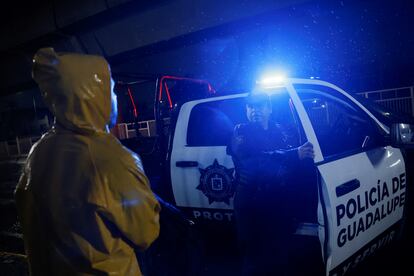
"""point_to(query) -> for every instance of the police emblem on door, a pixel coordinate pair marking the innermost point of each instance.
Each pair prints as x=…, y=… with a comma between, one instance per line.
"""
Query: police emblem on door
x=216, y=183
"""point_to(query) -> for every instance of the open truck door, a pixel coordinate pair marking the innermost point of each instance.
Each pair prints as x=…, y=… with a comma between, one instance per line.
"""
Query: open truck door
x=202, y=173
x=361, y=178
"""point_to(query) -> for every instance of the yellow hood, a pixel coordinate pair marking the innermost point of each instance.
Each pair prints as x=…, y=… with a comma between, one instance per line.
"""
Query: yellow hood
x=75, y=87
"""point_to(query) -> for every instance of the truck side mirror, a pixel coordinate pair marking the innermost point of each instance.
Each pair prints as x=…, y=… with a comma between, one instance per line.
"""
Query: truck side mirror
x=402, y=135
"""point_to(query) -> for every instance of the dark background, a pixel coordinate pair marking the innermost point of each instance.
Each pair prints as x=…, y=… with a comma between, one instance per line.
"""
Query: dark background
x=360, y=45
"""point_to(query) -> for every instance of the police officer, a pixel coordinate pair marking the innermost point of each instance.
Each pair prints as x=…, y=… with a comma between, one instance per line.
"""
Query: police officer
x=263, y=163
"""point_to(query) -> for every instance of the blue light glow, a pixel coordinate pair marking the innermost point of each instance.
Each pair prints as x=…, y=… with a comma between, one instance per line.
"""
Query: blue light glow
x=270, y=80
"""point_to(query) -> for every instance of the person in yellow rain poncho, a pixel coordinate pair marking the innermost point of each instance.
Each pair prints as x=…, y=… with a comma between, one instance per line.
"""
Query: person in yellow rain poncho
x=83, y=199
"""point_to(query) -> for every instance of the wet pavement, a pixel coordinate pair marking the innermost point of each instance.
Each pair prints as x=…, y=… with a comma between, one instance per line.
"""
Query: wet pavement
x=12, y=259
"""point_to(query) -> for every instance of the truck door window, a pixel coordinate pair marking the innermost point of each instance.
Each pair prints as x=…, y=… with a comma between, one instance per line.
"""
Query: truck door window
x=212, y=123
x=340, y=125
x=284, y=114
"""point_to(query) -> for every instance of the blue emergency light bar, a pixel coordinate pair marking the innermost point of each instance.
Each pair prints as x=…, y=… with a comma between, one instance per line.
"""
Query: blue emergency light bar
x=271, y=80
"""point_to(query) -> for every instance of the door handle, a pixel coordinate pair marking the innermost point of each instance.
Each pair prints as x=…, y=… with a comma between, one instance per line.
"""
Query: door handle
x=347, y=187
x=186, y=164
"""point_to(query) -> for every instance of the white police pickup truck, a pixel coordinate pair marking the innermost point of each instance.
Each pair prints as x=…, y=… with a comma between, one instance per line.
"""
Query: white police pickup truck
x=361, y=168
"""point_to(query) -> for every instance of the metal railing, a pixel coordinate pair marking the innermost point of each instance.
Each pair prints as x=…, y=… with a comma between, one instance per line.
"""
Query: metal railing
x=142, y=129
x=18, y=147
x=131, y=130
x=397, y=99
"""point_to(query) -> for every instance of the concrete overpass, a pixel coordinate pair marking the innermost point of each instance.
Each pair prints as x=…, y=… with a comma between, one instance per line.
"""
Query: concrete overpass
x=227, y=42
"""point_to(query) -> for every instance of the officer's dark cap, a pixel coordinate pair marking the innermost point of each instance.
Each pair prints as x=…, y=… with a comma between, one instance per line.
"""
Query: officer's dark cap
x=257, y=98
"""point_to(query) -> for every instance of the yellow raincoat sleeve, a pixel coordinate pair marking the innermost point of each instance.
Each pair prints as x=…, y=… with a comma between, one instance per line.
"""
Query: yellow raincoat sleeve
x=131, y=205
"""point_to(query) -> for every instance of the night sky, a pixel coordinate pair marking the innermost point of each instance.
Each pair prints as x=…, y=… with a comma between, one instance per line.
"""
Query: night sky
x=364, y=45
x=358, y=45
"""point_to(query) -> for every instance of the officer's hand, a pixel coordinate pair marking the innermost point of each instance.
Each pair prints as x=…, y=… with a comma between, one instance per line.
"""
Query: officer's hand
x=306, y=151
